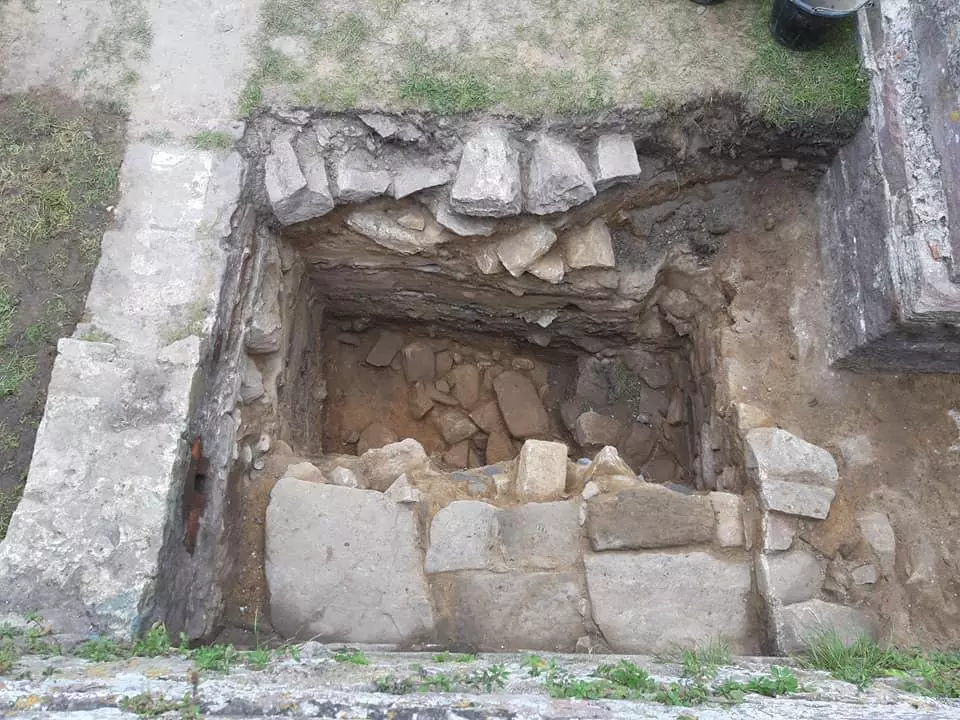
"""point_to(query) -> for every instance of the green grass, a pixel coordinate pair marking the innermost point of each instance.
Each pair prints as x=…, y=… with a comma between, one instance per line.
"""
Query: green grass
x=9, y=499
x=150, y=705
x=704, y=662
x=789, y=87
x=154, y=643
x=354, y=657
x=100, y=649
x=218, y=658
x=931, y=673
x=446, y=657
x=212, y=140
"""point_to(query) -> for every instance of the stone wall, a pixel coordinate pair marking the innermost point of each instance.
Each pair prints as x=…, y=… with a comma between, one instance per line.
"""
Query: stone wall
x=890, y=229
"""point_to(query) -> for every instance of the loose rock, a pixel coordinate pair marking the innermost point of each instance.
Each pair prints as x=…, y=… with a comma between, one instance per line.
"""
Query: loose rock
x=590, y=246
x=876, y=530
x=595, y=429
x=459, y=455
x=308, y=472
x=488, y=262
x=403, y=492
x=388, y=233
x=380, y=467
x=520, y=405
x=521, y=250
x=792, y=476
x=549, y=268
x=386, y=347
x=607, y=463
x=375, y=435
x=557, y=179
x=499, y=448
x=463, y=225
x=616, y=160
x=414, y=178
x=488, y=179
x=466, y=385
x=418, y=361
x=454, y=425
x=542, y=471
x=420, y=401
x=251, y=386
x=487, y=417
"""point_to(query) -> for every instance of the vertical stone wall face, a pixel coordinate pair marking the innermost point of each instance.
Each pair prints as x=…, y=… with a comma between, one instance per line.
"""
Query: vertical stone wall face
x=890, y=222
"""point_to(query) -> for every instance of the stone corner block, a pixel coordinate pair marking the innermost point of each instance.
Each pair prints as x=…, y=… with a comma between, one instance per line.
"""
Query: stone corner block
x=649, y=516
x=344, y=565
x=488, y=178
x=789, y=578
x=728, y=512
x=615, y=161
x=541, y=471
x=557, y=178
x=464, y=535
x=792, y=476
x=296, y=194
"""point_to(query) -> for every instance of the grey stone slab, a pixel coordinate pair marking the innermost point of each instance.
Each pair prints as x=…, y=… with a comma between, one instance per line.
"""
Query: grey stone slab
x=792, y=476
x=728, y=511
x=360, y=177
x=541, y=536
x=295, y=193
x=85, y=544
x=520, y=405
x=410, y=179
x=615, y=160
x=796, y=626
x=137, y=295
x=494, y=611
x=649, y=516
x=488, y=178
x=266, y=323
x=778, y=531
x=557, y=178
x=790, y=577
x=462, y=225
x=344, y=565
x=464, y=535
x=654, y=603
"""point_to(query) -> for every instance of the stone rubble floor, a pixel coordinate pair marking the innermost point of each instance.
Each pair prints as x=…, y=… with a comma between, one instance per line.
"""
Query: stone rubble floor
x=318, y=685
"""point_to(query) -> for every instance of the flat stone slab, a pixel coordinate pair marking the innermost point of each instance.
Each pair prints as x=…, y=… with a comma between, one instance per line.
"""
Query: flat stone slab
x=520, y=405
x=615, y=160
x=649, y=516
x=464, y=535
x=487, y=611
x=86, y=543
x=541, y=536
x=796, y=626
x=345, y=565
x=655, y=602
x=793, y=476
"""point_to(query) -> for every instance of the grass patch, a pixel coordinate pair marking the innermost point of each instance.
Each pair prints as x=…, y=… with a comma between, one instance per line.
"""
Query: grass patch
x=354, y=657
x=218, y=658
x=154, y=643
x=790, y=87
x=150, y=705
x=934, y=674
x=485, y=679
x=9, y=499
x=100, y=649
x=212, y=140
x=446, y=657
x=703, y=663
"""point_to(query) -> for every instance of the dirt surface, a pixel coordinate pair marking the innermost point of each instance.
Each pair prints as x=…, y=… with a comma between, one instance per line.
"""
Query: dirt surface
x=894, y=437
x=58, y=163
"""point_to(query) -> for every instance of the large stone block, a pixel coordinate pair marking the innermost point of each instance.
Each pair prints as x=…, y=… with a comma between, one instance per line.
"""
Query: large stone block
x=344, y=565
x=542, y=470
x=360, y=177
x=649, y=516
x=522, y=249
x=791, y=475
x=85, y=546
x=510, y=611
x=590, y=246
x=653, y=603
x=797, y=626
x=541, y=536
x=557, y=178
x=465, y=535
x=488, y=179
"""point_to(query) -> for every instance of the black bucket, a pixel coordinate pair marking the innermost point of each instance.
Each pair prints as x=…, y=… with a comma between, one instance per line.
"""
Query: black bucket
x=798, y=26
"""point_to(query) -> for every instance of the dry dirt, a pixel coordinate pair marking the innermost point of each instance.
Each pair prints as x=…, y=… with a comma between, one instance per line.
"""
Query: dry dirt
x=893, y=436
